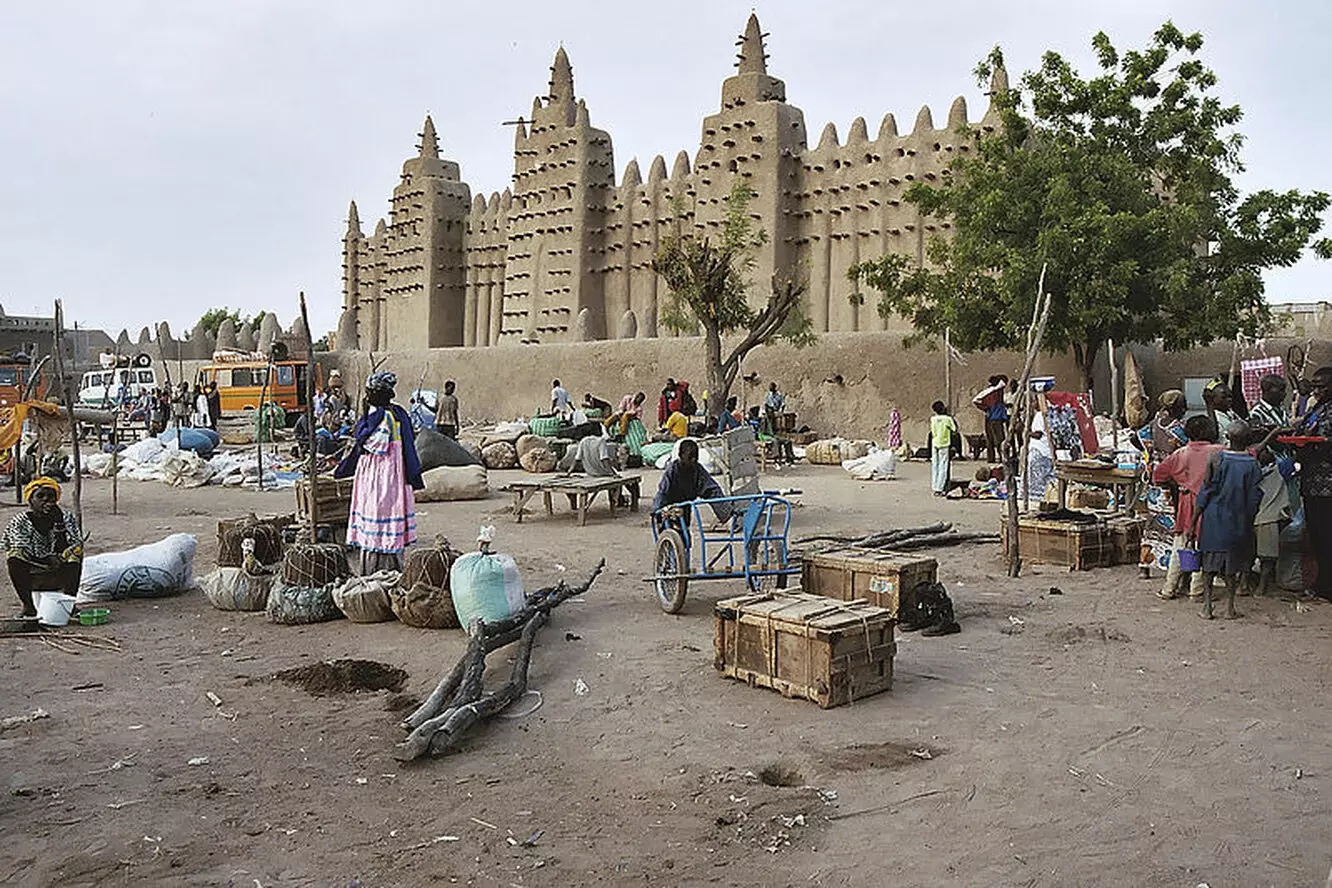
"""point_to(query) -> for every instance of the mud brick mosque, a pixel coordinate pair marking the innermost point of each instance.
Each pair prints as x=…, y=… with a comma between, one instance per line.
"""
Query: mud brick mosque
x=565, y=255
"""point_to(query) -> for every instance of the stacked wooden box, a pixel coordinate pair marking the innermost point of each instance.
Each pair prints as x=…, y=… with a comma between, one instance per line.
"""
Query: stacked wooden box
x=806, y=646
x=333, y=496
x=1077, y=545
x=883, y=579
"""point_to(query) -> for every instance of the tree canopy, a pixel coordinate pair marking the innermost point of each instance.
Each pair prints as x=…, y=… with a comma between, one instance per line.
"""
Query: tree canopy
x=213, y=318
x=1122, y=184
x=709, y=290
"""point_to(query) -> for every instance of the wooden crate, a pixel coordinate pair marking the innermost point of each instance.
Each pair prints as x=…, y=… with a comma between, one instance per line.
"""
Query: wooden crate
x=1072, y=544
x=334, y=499
x=806, y=646
x=884, y=579
x=1126, y=538
x=1089, y=498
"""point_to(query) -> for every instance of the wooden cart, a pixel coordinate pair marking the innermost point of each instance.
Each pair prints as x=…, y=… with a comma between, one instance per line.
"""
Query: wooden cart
x=581, y=491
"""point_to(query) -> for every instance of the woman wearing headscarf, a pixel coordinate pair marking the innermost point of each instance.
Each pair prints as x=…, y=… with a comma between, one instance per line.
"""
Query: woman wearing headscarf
x=43, y=546
x=1160, y=438
x=385, y=467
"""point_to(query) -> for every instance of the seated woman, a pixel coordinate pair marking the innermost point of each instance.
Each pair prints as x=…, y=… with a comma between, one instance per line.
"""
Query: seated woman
x=43, y=546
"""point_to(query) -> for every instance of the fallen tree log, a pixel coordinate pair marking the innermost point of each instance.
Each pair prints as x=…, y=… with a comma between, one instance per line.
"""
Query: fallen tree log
x=951, y=539
x=876, y=540
x=436, y=727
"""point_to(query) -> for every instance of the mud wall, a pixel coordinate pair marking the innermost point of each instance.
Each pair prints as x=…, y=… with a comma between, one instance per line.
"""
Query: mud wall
x=845, y=384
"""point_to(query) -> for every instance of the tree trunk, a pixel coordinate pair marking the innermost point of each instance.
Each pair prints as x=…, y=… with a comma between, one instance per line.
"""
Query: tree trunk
x=718, y=387
x=1084, y=356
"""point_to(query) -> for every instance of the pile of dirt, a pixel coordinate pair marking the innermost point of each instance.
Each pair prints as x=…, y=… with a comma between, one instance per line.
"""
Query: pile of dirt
x=344, y=677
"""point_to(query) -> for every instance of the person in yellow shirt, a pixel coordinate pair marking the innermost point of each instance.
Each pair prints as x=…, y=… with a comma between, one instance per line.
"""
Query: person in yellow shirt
x=943, y=428
x=678, y=425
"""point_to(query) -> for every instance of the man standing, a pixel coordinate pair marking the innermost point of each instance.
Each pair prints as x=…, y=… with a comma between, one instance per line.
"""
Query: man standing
x=990, y=401
x=1219, y=402
x=559, y=400
x=774, y=402
x=181, y=405
x=446, y=411
x=1316, y=479
x=943, y=428
x=214, y=405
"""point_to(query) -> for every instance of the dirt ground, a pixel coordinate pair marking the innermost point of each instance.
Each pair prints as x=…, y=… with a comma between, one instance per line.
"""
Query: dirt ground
x=1095, y=737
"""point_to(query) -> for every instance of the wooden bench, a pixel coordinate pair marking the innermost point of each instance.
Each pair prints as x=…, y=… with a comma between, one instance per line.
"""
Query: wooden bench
x=581, y=491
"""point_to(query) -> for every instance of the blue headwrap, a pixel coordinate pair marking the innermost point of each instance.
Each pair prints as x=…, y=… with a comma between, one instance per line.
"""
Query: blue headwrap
x=384, y=381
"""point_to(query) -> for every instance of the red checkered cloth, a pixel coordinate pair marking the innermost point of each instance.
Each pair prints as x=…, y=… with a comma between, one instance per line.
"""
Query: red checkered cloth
x=1252, y=372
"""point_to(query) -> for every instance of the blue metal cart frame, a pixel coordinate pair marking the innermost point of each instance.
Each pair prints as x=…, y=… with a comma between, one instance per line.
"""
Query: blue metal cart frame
x=759, y=522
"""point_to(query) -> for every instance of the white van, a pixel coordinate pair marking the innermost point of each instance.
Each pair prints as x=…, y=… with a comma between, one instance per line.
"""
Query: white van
x=100, y=388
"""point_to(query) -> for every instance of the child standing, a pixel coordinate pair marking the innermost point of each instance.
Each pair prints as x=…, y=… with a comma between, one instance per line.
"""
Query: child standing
x=943, y=428
x=1227, y=507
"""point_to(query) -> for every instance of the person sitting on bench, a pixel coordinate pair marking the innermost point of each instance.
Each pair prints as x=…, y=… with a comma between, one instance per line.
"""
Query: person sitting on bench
x=43, y=546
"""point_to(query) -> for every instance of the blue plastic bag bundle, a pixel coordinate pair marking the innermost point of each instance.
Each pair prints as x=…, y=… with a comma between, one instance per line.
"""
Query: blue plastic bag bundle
x=485, y=585
x=200, y=441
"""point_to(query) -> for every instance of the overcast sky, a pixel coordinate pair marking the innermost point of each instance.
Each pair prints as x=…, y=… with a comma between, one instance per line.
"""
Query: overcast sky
x=160, y=158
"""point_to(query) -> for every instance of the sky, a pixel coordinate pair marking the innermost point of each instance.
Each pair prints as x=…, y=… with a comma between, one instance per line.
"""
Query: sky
x=162, y=157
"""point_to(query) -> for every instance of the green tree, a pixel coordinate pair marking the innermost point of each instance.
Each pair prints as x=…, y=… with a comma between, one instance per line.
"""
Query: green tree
x=213, y=318
x=709, y=285
x=1122, y=184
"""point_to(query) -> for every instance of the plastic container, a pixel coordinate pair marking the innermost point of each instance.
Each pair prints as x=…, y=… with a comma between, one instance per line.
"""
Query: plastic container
x=1188, y=560
x=1129, y=460
x=55, y=608
x=94, y=616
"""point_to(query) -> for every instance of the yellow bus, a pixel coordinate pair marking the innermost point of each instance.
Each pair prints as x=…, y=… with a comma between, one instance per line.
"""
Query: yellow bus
x=240, y=384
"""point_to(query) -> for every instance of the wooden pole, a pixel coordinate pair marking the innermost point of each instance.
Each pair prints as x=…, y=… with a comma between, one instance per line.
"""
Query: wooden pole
x=948, y=366
x=73, y=423
x=115, y=426
x=1114, y=397
x=33, y=375
x=1034, y=338
x=259, y=420
x=313, y=470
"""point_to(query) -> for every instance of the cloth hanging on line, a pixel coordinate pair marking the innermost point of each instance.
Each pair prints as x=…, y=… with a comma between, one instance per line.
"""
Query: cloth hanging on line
x=1252, y=372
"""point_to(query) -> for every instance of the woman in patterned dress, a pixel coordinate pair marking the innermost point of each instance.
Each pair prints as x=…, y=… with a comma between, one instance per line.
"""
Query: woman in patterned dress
x=1160, y=438
x=386, y=471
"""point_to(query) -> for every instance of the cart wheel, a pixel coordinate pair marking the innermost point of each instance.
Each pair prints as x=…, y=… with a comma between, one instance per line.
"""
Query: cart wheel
x=671, y=561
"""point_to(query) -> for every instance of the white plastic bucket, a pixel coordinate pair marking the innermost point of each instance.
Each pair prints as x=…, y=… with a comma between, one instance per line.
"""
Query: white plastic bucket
x=55, y=608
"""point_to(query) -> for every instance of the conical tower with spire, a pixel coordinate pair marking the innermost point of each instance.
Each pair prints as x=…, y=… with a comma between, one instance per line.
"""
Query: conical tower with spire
x=422, y=286
x=563, y=174
x=757, y=138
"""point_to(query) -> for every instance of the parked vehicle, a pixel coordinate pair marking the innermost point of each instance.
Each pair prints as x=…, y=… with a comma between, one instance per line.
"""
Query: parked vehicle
x=133, y=378
x=241, y=384
x=14, y=377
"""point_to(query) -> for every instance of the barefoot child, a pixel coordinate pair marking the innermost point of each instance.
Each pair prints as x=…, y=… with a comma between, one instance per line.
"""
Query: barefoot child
x=1226, y=509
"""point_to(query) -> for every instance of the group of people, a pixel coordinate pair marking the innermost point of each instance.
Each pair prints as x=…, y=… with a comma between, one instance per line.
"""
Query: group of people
x=1237, y=485
x=197, y=407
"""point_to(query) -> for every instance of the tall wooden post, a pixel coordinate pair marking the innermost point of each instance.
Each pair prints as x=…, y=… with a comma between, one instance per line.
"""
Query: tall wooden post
x=59, y=353
x=948, y=367
x=313, y=470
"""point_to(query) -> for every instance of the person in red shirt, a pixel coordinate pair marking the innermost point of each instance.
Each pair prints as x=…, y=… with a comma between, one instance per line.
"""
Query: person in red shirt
x=1186, y=468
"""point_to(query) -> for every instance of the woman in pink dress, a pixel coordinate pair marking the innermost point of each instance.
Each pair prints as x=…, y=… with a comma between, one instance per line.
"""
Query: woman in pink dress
x=386, y=469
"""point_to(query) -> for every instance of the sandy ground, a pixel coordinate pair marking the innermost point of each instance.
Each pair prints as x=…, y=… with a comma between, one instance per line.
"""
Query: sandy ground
x=1096, y=737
